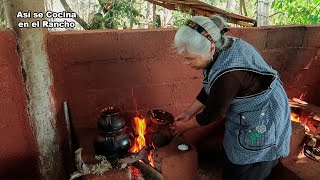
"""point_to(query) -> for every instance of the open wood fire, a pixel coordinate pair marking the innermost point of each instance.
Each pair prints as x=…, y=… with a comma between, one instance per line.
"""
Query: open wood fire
x=308, y=116
x=112, y=131
x=140, y=141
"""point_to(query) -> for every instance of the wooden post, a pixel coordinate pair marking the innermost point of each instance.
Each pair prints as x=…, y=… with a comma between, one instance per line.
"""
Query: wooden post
x=263, y=13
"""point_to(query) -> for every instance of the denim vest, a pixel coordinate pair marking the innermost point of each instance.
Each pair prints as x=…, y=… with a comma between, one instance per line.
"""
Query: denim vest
x=258, y=127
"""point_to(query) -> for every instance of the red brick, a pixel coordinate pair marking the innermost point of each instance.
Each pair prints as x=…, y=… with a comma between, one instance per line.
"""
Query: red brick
x=296, y=91
x=276, y=58
x=283, y=37
x=18, y=144
x=5, y=90
x=105, y=75
x=316, y=62
x=8, y=47
x=10, y=112
x=84, y=46
x=255, y=36
x=186, y=92
x=300, y=58
x=312, y=95
x=14, y=142
x=287, y=77
x=109, y=97
x=312, y=36
x=307, y=77
x=76, y=77
x=85, y=137
x=150, y=96
x=144, y=44
x=79, y=106
x=85, y=107
x=171, y=71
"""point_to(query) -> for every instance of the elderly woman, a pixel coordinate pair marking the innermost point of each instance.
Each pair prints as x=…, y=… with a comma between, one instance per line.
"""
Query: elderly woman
x=240, y=88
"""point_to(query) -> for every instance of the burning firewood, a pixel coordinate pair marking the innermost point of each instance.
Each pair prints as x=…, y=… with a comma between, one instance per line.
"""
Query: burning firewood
x=148, y=171
x=104, y=165
x=83, y=169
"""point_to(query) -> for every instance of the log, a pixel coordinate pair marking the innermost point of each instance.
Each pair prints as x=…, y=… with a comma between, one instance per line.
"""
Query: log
x=104, y=165
x=148, y=172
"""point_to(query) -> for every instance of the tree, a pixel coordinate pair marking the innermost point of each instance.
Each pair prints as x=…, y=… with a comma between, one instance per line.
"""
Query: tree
x=3, y=22
x=78, y=19
x=179, y=18
x=296, y=12
x=116, y=14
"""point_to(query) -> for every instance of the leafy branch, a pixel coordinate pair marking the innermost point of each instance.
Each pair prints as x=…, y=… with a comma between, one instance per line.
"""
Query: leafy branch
x=77, y=18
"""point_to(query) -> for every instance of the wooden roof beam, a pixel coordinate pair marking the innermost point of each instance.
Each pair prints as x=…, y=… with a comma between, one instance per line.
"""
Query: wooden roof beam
x=201, y=8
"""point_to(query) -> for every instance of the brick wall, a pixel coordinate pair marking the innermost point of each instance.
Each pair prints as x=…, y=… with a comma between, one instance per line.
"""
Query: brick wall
x=18, y=154
x=95, y=69
x=292, y=50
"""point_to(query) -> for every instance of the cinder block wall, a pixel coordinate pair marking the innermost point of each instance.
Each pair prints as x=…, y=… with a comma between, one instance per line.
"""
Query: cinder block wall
x=94, y=69
x=18, y=152
x=292, y=50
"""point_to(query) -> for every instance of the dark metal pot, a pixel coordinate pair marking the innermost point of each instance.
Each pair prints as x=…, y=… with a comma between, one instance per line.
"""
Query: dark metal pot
x=158, y=132
x=110, y=120
x=112, y=145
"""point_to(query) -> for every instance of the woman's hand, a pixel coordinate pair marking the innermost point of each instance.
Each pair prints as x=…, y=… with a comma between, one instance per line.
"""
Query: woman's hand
x=184, y=116
x=182, y=126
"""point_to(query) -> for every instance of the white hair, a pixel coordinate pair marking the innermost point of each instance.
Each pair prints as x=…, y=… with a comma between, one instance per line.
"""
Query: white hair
x=190, y=41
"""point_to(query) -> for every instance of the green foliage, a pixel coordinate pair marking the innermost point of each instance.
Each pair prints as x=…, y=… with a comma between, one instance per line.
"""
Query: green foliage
x=116, y=14
x=251, y=6
x=180, y=18
x=296, y=12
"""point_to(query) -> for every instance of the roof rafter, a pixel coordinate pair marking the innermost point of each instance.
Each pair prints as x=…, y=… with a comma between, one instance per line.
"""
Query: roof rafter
x=204, y=9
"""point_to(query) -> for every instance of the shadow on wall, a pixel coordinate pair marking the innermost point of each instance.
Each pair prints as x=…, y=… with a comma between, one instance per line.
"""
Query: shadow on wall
x=19, y=168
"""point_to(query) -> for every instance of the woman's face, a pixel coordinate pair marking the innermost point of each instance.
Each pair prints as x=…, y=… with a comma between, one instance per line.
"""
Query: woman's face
x=195, y=61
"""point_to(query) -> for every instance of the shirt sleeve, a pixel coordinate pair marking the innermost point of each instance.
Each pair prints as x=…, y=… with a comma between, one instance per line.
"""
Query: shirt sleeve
x=222, y=92
x=202, y=96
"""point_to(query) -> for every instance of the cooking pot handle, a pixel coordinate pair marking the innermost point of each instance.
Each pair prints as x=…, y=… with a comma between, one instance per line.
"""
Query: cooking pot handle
x=108, y=139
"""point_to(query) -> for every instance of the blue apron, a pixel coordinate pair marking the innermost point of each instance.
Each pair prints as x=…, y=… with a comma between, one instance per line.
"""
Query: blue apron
x=258, y=127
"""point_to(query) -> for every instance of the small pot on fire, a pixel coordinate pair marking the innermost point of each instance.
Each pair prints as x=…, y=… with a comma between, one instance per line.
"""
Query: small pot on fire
x=113, y=138
x=158, y=131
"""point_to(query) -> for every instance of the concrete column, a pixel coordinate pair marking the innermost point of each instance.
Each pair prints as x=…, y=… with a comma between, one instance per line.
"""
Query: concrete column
x=38, y=81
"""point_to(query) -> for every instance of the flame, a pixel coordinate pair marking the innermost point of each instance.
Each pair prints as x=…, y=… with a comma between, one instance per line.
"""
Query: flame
x=295, y=117
x=140, y=128
x=140, y=141
x=150, y=158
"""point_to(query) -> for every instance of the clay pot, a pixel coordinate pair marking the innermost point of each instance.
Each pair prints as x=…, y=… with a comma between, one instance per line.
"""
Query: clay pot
x=112, y=145
x=110, y=120
x=158, y=132
x=113, y=139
